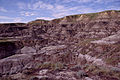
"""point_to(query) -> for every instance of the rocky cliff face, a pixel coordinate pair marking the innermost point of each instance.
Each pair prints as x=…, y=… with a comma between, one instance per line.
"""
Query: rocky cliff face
x=75, y=47
x=13, y=29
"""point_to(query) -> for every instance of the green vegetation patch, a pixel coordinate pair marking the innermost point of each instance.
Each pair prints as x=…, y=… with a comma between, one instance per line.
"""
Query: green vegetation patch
x=86, y=41
x=52, y=66
x=103, y=71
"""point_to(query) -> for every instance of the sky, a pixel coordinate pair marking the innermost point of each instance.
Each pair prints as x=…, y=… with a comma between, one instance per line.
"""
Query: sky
x=29, y=10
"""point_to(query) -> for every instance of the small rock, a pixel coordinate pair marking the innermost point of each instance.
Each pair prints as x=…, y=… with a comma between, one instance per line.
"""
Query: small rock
x=43, y=72
x=28, y=50
x=87, y=78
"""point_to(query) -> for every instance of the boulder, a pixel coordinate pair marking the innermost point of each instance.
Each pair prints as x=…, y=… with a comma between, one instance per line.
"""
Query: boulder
x=14, y=64
x=52, y=49
x=28, y=50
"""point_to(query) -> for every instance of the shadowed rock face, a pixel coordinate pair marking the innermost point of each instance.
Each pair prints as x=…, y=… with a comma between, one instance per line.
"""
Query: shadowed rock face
x=7, y=49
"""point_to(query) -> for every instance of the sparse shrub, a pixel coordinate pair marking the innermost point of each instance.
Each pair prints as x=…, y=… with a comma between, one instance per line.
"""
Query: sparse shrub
x=76, y=67
x=29, y=71
x=57, y=66
x=115, y=69
x=45, y=65
x=103, y=71
x=34, y=78
x=112, y=61
x=107, y=73
x=85, y=65
x=52, y=66
x=91, y=67
x=6, y=78
x=47, y=78
x=81, y=74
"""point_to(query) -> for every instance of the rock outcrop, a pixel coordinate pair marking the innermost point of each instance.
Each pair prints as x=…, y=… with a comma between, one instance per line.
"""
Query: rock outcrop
x=28, y=50
x=114, y=39
x=14, y=64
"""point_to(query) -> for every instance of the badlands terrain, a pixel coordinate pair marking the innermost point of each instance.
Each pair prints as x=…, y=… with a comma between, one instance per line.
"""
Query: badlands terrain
x=75, y=47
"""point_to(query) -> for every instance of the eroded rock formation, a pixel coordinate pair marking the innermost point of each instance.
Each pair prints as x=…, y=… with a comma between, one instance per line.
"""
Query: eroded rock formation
x=69, y=46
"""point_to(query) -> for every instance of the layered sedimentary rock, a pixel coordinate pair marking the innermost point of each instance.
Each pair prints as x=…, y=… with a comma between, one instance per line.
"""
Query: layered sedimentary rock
x=113, y=39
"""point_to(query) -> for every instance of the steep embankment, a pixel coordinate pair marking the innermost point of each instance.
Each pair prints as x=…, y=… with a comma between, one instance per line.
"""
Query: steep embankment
x=106, y=15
